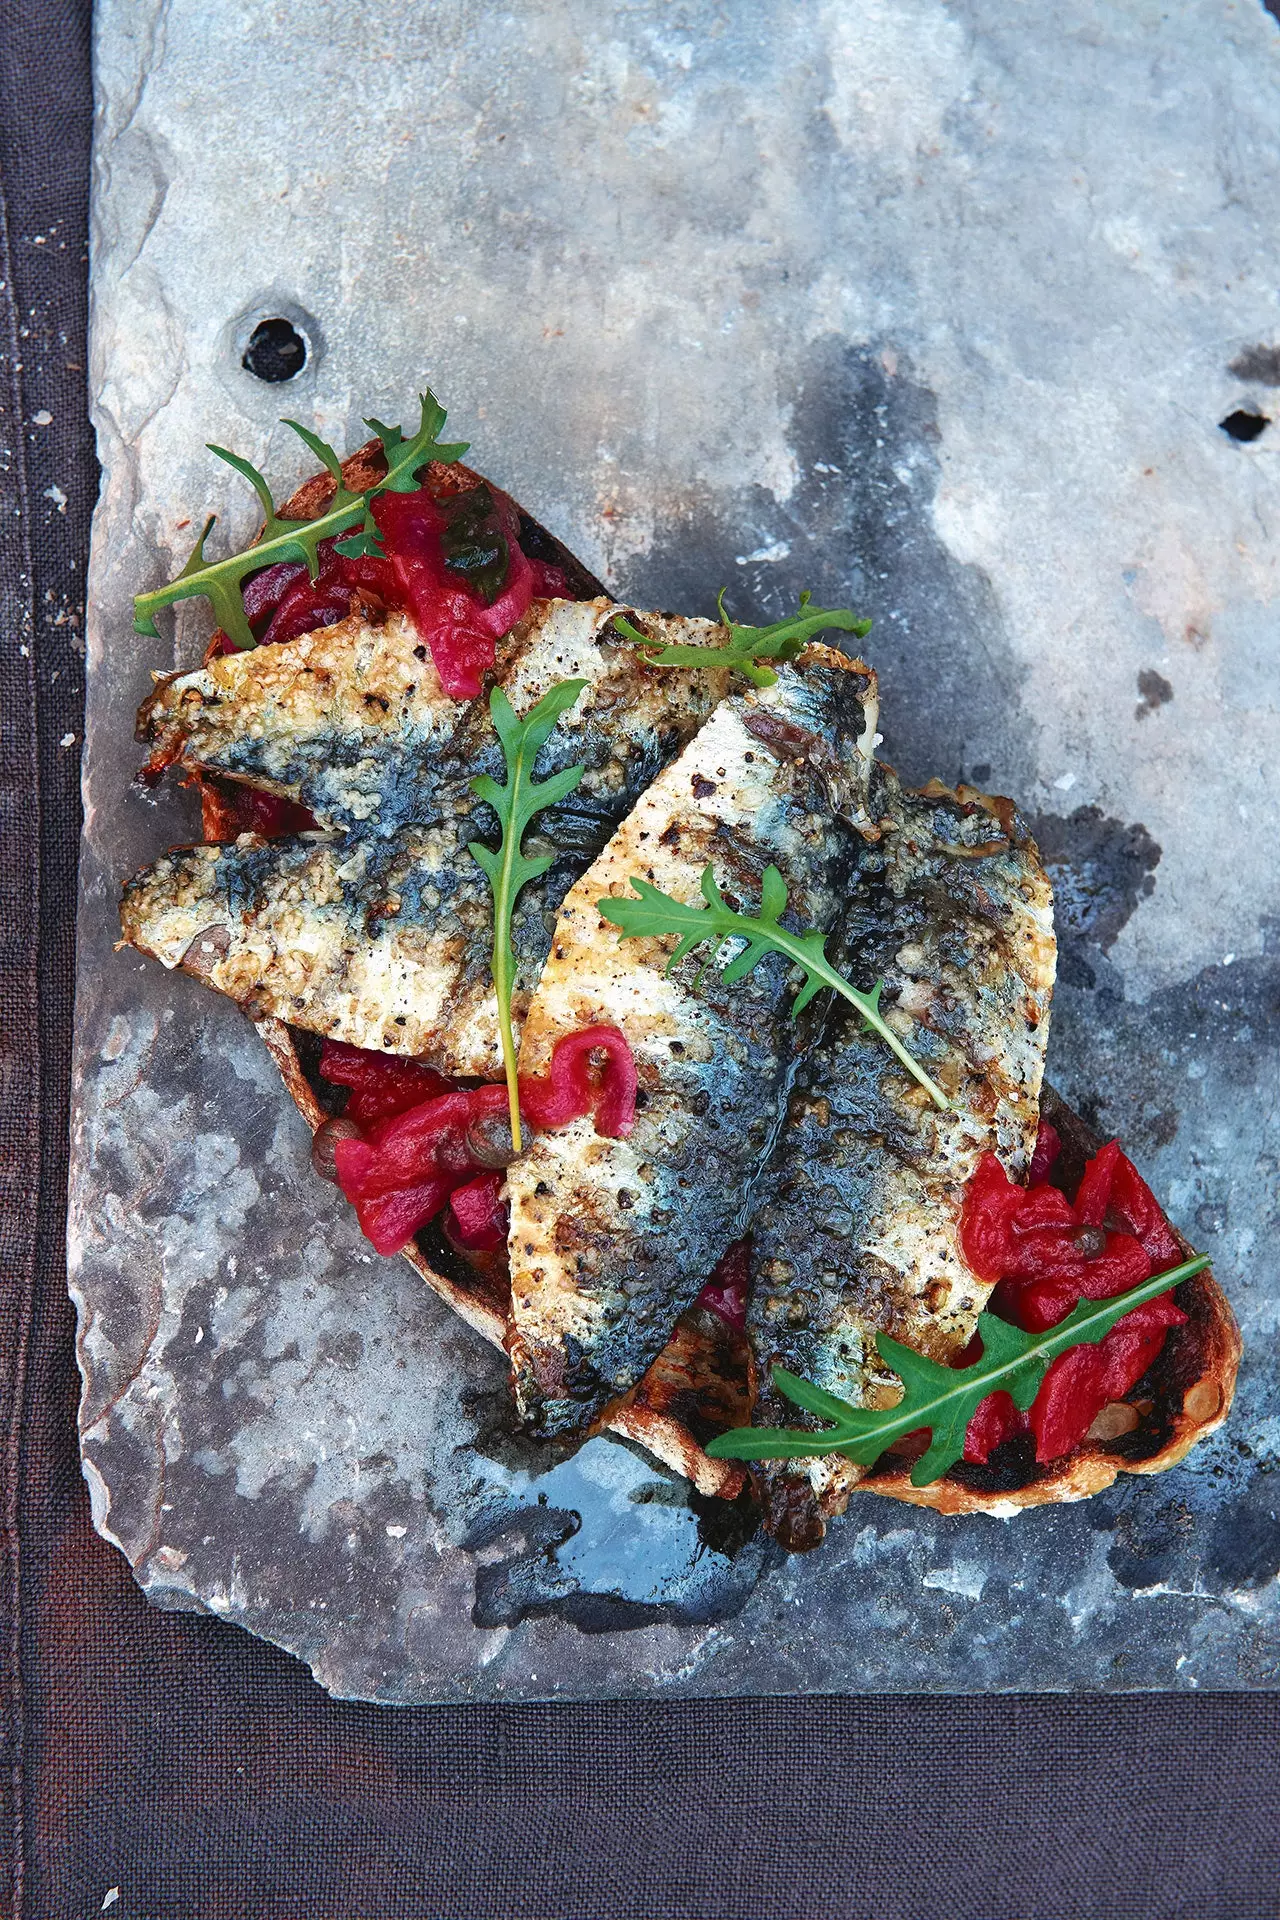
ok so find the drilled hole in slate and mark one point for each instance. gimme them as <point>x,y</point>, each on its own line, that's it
<point>276,351</point>
<point>1244,424</point>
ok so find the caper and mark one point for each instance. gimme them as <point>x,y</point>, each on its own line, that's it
<point>324,1143</point>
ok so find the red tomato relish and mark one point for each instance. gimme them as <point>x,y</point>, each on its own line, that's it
<point>230,808</point>
<point>381,1084</point>
<point>415,1152</point>
<point>476,1218</point>
<point>1045,1252</point>
<point>591,1071</point>
<point>727,1290</point>
<point>453,562</point>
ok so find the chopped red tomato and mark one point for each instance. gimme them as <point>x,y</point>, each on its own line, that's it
<point>591,1072</point>
<point>1080,1383</point>
<point>549,583</point>
<point>415,1153</point>
<point>1137,1210</point>
<point>262,592</point>
<point>228,808</point>
<point>996,1420</point>
<point>476,1217</point>
<point>452,559</point>
<point>307,604</point>
<point>727,1289</point>
<point>389,1221</point>
<point>283,601</point>
<point>1048,1147</point>
<point>1046,1252</point>
<point>380,1083</point>
<point>401,1173</point>
<point>464,584</point>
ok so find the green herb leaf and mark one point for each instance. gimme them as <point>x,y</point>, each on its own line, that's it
<point>324,453</point>
<point>220,581</point>
<point>749,645</point>
<point>943,1399</point>
<point>509,867</point>
<point>657,914</point>
<point>364,544</point>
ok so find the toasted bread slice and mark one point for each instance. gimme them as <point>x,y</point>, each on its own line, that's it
<point>699,1385</point>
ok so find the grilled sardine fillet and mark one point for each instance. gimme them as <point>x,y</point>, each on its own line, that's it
<point>352,722</point>
<point>349,721</point>
<point>379,931</point>
<point>858,1227</point>
<point>611,1239</point>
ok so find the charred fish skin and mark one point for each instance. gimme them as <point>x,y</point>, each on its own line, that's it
<point>347,721</point>
<point>858,1228</point>
<point>379,931</point>
<point>351,721</point>
<point>610,1239</point>
<point>378,942</point>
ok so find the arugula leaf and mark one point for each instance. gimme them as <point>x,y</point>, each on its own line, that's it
<point>220,581</point>
<point>943,1399</point>
<point>657,914</point>
<point>509,868</point>
<point>748,645</point>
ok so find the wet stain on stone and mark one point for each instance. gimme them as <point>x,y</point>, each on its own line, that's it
<point>1149,1543</point>
<point>1155,691</point>
<point>1258,363</point>
<point>523,1570</point>
<point>858,530</point>
<point>1100,870</point>
<point>1244,1545</point>
<point>517,1573</point>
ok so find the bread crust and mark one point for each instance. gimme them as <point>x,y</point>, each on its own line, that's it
<point>699,1384</point>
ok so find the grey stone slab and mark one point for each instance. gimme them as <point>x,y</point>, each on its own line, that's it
<point>932,308</point>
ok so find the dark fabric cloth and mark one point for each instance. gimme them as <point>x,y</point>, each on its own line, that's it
<point>205,1775</point>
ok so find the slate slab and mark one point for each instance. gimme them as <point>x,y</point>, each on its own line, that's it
<point>932,308</point>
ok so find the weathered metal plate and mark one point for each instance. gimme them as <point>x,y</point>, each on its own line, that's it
<point>932,308</point>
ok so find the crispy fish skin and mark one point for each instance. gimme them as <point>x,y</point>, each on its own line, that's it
<point>611,1239</point>
<point>379,933</point>
<point>355,940</point>
<point>352,722</point>
<point>345,720</point>
<point>858,1230</point>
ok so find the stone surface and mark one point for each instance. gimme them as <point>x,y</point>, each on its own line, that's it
<point>932,308</point>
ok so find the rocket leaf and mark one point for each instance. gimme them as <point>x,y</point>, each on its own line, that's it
<point>748,646</point>
<point>509,867</point>
<point>657,914</point>
<point>943,1399</point>
<point>220,581</point>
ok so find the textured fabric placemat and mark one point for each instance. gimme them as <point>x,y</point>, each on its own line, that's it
<point>168,1766</point>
